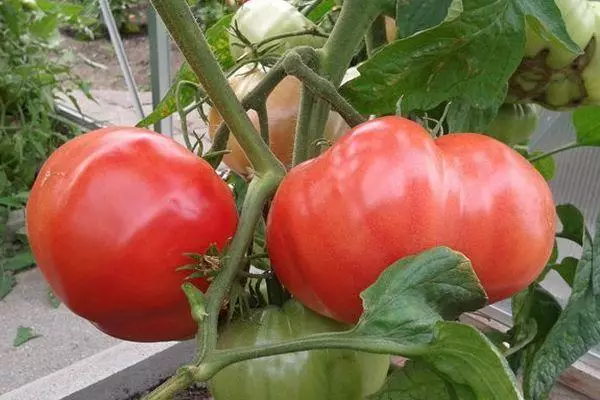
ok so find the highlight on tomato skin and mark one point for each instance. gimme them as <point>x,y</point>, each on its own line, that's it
<point>387,190</point>
<point>110,218</point>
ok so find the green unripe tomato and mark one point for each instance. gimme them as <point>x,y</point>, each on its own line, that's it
<point>580,22</point>
<point>514,124</point>
<point>315,374</point>
<point>552,76</point>
<point>591,74</point>
<point>259,20</point>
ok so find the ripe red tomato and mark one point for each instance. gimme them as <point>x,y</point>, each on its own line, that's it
<point>109,219</point>
<point>387,190</point>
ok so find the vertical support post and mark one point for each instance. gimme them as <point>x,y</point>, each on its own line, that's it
<point>160,66</point>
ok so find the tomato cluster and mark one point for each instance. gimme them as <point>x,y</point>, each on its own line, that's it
<point>553,76</point>
<point>114,214</point>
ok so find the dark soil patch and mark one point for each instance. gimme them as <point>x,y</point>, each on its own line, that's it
<point>95,61</point>
<point>191,393</point>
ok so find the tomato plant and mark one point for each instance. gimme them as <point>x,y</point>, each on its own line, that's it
<point>316,374</point>
<point>282,108</point>
<point>397,193</point>
<point>110,218</point>
<point>514,124</point>
<point>375,247</point>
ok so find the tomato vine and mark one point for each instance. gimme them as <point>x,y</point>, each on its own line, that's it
<point>385,235</point>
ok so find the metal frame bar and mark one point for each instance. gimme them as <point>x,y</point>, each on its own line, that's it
<point>115,38</point>
<point>160,66</point>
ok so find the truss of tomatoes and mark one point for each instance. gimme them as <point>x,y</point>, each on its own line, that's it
<point>113,213</point>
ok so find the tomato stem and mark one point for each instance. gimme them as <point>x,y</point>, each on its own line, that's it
<point>259,191</point>
<point>353,23</point>
<point>335,340</point>
<point>569,146</point>
<point>263,121</point>
<point>172,386</point>
<point>253,100</point>
<point>321,87</point>
<point>220,359</point>
<point>182,26</point>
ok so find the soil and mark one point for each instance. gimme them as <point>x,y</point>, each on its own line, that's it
<point>95,61</point>
<point>191,393</point>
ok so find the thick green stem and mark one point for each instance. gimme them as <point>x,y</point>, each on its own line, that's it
<point>321,87</point>
<point>220,359</point>
<point>353,23</point>
<point>171,387</point>
<point>263,121</point>
<point>566,147</point>
<point>259,191</point>
<point>255,100</point>
<point>343,340</point>
<point>180,22</point>
<point>302,141</point>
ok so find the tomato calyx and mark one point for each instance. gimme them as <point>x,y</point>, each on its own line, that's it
<point>534,76</point>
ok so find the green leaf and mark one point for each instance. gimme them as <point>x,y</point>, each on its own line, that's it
<point>466,357</point>
<point>321,10</point>
<point>24,334</point>
<point>467,60</point>
<point>417,381</point>
<point>587,125</point>
<point>463,117</point>
<point>535,311</point>
<point>577,329</point>
<point>545,166</point>
<point>572,222</point>
<point>545,16</point>
<point>19,262</point>
<point>218,40</point>
<point>567,269</point>
<point>168,104</point>
<point>44,27</point>
<point>413,16</point>
<point>407,305</point>
<point>7,283</point>
<point>416,292</point>
<point>10,201</point>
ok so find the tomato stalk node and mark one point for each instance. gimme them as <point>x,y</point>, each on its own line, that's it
<point>182,26</point>
<point>294,65</point>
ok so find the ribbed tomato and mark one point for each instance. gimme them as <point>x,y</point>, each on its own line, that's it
<point>110,218</point>
<point>387,190</point>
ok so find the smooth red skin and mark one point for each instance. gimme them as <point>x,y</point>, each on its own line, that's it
<point>387,190</point>
<point>109,218</point>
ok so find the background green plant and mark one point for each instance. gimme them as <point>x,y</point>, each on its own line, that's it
<point>129,16</point>
<point>34,72</point>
